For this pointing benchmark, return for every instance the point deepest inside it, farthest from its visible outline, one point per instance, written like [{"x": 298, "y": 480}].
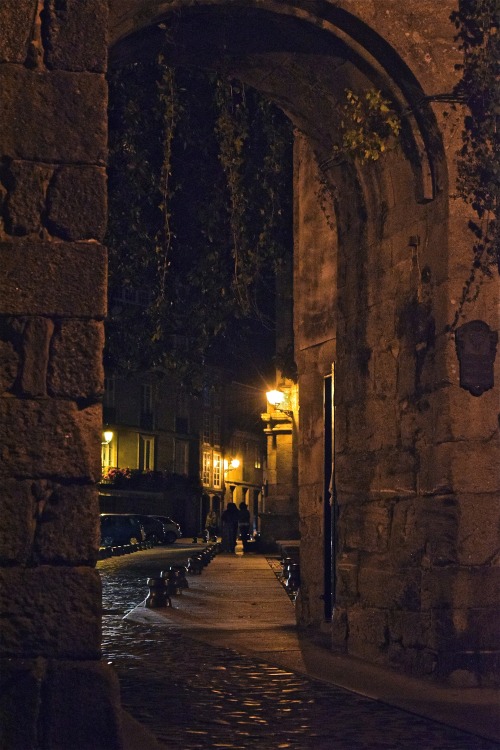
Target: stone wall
[
  {"x": 416, "y": 455},
  {"x": 55, "y": 692}
]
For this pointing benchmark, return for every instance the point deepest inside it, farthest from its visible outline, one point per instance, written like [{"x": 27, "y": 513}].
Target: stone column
[
  {"x": 280, "y": 517},
  {"x": 56, "y": 694}
]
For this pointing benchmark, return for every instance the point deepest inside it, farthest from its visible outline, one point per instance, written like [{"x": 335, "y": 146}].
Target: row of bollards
[
  {"x": 173, "y": 580},
  {"x": 290, "y": 575},
  {"x": 122, "y": 549}
]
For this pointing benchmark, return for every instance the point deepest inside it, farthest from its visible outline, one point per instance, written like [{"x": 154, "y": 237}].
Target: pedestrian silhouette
[
  {"x": 229, "y": 518},
  {"x": 244, "y": 524}
]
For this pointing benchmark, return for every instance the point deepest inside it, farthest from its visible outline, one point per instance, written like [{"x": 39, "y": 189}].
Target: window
[
  {"x": 181, "y": 457},
  {"x": 147, "y": 398},
  {"x": 146, "y": 452},
  {"x": 181, "y": 424},
  {"x": 258, "y": 459},
  {"x": 106, "y": 456},
  {"x": 205, "y": 471},
  {"x": 217, "y": 480},
  {"x": 182, "y": 403},
  {"x": 206, "y": 427}
]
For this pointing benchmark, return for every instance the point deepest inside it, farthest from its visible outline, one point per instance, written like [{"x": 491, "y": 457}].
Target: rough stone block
[
  {"x": 396, "y": 473},
  {"x": 81, "y": 707},
  {"x": 18, "y": 508},
  {"x": 9, "y": 364},
  {"x": 425, "y": 531},
  {"x": 411, "y": 629},
  {"x": 479, "y": 531},
  {"x": 415, "y": 661},
  {"x": 368, "y": 633},
  {"x": 77, "y": 203},
  {"x": 53, "y": 117},
  {"x": 390, "y": 589},
  {"x": 73, "y": 277},
  {"x": 346, "y": 591},
  {"x": 20, "y": 697},
  {"x": 385, "y": 373},
  {"x": 25, "y": 204},
  {"x": 377, "y": 518},
  {"x": 460, "y": 588},
  {"x": 478, "y": 629},
  {"x": 372, "y": 425},
  {"x": 67, "y": 530},
  {"x": 457, "y": 415},
  {"x": 36, "y": 341},
  {"x": 28, "y": 428},
  {"x": 16, "y": 23},
  {"x": 355, "y": 474},
  {"x": 76, "y": 369},
  {"x": 62, "y": 26},
  {"x": 53, "y": 612},
  {"x": 460, "y": 467},
  {"x": 339, "y": 630}
]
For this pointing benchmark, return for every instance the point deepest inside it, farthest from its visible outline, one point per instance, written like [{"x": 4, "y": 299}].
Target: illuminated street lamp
[
  {"x": 108, "y": 436},
  {"x": 275, "y": 398}
]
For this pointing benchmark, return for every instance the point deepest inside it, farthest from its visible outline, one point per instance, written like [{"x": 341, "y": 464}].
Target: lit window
[
  {"x": 146, "y": 452},
  {"x": 106, "y": 456},
  {"x": 205, "y": 472},
  {"x": 217, "y": 471}
]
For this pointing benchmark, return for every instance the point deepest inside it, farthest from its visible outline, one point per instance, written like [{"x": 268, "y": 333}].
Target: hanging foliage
[
  {"x": 200, "y": 215},
  {"x": 478, "y": 33},
  {"x": 368, "y": 124}
]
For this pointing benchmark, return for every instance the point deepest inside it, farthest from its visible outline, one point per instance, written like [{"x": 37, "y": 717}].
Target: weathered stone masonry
[{"x": 55, "y": 692}]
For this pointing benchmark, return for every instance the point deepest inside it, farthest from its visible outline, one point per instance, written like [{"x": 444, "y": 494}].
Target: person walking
[
  {"x": 229, "y": 520},
  {"x": 244, "y": 524},
  {"x": 211, "y": 525}
]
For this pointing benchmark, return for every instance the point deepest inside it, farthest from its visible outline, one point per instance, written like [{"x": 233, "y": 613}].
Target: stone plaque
[{"x": 476, "y": 347}]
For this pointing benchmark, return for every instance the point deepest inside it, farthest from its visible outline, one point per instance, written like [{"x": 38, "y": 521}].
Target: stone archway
[{"x": 375, "y": 289}]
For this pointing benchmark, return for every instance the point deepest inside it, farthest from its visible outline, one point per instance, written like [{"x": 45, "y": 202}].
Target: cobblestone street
[{"x": 192, "y": 695}]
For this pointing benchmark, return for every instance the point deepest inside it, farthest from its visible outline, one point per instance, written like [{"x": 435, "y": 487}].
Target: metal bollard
[
  {"x": 158, "y": 594},
  {"x": 195, "y": 565},
  {"x": 293, "y": 580}
]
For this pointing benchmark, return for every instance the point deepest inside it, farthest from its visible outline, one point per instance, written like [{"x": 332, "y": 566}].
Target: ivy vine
[
  {"x": 368, "y": 124},
  {"x": 478, "y": 34},
  {"x": 200, "y": 216}
]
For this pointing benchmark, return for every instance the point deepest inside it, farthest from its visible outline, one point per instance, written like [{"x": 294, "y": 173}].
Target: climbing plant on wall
[
  {"x": 200, "y": 214},
  {"x": 478, "y": 33}
]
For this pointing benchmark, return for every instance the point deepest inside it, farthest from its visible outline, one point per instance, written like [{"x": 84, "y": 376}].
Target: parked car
[
  {"x": 155, "y": 529},
  {"x": 121, "y": 528},
  {"x": 172, "y": 529}
]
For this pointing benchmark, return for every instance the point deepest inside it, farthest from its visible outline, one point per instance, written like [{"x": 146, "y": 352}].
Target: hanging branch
[{"x": 169, "y": 100}]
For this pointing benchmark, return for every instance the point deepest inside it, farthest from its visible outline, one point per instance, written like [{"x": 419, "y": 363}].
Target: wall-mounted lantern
[
  {"x": 280, "y": 400},
  {"x": 108, "y": 437}
]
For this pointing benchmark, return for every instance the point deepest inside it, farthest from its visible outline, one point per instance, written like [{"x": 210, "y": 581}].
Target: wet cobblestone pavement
[{"x": 191, "y": 695}]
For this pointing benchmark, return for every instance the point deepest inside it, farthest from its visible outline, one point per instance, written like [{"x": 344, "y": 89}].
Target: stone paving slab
[{"x": 231, "y": 684}]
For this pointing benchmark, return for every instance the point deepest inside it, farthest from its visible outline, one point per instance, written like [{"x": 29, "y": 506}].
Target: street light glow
[{"x": 275, "y": 397}]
